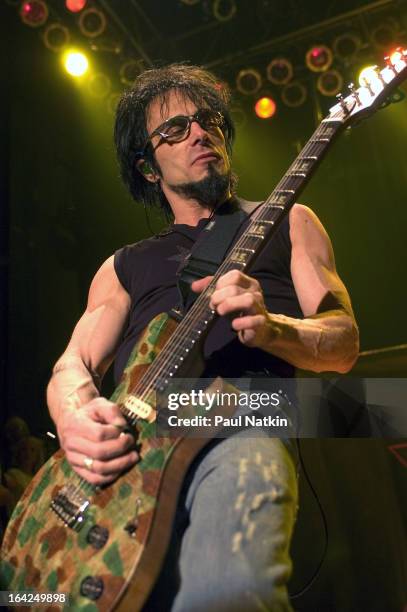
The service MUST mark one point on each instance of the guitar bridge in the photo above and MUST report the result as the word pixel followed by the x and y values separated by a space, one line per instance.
pixel 70 505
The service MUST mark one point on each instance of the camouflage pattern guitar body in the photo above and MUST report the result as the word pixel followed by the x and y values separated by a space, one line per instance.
pixel 66 536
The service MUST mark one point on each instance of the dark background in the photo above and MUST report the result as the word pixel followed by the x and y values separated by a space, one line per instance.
pixel 64 211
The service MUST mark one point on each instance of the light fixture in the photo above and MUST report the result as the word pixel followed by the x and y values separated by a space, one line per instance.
pixel 92 22
pixel 130 70
pixel 56 36
pixel 76 63
pixel 384 35
pixel 294 94
pixel 330 83
pixel 34 13
pixel 238 115
pixel 319 58
pixel 248 81
pixel 265 107
pixel 346 46
pixel 99 85
pixel 279 71
pixel 75 6
pixel 224 10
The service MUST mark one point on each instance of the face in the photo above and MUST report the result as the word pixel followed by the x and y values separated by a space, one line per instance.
pixel 199 159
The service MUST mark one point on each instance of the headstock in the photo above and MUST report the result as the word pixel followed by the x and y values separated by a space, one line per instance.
pixel 375 90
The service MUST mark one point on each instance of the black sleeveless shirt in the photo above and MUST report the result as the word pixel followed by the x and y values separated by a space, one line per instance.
pixel 147 271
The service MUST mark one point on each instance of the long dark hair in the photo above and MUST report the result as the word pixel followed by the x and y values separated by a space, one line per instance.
pixel 201 87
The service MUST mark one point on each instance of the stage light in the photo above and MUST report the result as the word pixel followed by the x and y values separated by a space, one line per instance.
pixel 330 83
pixel 265 107
pixel 99 85
pixel 319 58
pixel 279 71
pixel 367 75
pixel 56 36
pixel 92 22
pixel 130 70
pixel 248 81
pixel 294 94
pixel 346 46
pixel 385 35
pixel 34 13
pixel 76 63
pixel 399 55
pixel 224 10
pixel 75 6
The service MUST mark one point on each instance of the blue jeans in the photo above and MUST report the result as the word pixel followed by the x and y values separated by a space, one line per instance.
pixel 230 544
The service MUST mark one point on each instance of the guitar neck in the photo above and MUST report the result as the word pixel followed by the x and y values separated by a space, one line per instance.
pixel 262 225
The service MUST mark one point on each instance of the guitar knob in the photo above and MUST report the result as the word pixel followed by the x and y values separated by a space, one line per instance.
pixel 97 536
pixel 92 587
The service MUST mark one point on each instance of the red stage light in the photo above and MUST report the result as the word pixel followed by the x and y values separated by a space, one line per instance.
pixel 34 13
pixel 319 58
pixel 75 5
pixel 265 107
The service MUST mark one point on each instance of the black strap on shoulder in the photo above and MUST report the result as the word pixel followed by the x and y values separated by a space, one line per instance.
pixel 211 247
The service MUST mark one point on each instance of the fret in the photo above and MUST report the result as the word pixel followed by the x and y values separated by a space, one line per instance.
pixel 320 140
pixel 278 206
pixel 308 157
pixel 259 233
pixel 241 254
pixel 266 220
pixel 284 190
pixel 297 174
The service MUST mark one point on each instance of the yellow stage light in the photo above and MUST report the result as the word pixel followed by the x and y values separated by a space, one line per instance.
pixel 265 107
pixel 367 75
pixel 76 63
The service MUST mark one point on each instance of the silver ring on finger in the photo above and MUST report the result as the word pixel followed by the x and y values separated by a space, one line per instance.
pixel 88 463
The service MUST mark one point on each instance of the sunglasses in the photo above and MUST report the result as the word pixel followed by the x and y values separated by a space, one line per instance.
pixel 178 128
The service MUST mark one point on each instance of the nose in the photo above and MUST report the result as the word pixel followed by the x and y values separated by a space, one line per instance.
pixel 197 133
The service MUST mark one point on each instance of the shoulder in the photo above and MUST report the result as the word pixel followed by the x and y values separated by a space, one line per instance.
pixel 308 233
pixel 106 285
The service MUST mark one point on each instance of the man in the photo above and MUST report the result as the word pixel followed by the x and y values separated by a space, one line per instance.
pixel 174 137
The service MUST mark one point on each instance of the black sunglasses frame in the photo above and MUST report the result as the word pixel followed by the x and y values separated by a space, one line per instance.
pixel 160 131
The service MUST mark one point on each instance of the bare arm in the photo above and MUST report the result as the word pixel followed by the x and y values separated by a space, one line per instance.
pixel 89 425
pixel 327 338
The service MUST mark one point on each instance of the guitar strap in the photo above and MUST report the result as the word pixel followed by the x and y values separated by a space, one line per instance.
pixel 211 247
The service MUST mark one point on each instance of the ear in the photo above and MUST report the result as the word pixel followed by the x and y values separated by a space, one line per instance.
pixel 144 167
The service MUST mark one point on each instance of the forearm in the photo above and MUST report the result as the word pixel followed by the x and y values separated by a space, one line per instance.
pixel 325 342
pixel 71 385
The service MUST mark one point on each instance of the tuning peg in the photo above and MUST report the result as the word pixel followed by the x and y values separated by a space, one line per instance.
pixel 390 64
pixel 380 76
pixel 342 102
pixel 354 93
pixel 368 84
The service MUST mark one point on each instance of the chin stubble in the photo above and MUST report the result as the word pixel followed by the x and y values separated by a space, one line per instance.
pixel 209 191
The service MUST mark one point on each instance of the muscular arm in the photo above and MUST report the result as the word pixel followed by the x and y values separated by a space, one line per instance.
pixel 327 338
pixel 87 424
pixel 77 373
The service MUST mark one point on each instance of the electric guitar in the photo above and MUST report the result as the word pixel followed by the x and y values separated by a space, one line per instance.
pixel 105 546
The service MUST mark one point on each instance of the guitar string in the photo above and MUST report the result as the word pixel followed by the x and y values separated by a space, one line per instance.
pixel 201 306
pixel 243 243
